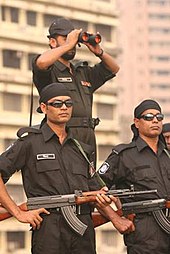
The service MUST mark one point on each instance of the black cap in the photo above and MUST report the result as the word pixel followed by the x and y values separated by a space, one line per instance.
pixel 60 26
pixel 144 105
pixel 166 127
pixel 51 91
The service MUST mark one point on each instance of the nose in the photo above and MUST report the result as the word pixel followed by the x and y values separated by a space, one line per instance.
pixel 155 119
pixel 64 106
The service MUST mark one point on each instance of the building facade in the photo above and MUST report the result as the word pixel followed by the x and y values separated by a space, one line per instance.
pixel 24 28
pixel 144 39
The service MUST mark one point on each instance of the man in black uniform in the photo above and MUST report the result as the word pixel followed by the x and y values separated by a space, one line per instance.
pixel 166 133
pixel 52 164
pixel 81 80
pixel 145 164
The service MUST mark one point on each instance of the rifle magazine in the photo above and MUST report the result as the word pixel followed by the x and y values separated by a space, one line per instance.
pixel 162 221
pixel 72 220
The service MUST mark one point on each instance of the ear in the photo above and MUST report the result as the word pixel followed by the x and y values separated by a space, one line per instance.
pixel 43 107
pixel 136 122
pixel 53 43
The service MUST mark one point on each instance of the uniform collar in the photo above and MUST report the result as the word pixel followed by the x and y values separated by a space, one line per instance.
pixel 141 144
pixel 48 133
pixel 62 67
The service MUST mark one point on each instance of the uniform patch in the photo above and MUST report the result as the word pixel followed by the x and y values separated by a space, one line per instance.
pixel 46 156
pixel 104 167
pixel 85 83
pixel 65 79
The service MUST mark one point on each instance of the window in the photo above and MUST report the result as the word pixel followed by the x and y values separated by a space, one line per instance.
pixel 31 18
pixel 15 241
pixel 80 24
pixel 105 31
pixel 156 2
pixel 161 58
pixel 104 151
pixel 160 72
pixel 105 111
pixel 14 12
pixel 161 85
pixel 48 19
pixel 11 102
pixel 11 58
pixel 3 8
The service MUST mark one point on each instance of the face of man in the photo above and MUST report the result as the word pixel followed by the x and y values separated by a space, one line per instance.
pixel 58 109
pixel 60 40
pixel 167 139
pixel 147 127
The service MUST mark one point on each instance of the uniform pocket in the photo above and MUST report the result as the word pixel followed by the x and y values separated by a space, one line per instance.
pixel 143 172
pixel 47 166
pixel 80 170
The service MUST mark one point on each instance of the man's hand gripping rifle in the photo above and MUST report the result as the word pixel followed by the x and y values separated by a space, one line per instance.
pixel 66 204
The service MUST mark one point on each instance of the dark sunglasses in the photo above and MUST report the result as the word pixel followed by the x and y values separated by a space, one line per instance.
pixel 150 117
pixel 59 104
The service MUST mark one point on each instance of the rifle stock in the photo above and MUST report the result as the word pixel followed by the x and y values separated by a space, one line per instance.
pixel 6 215
pixel 99 220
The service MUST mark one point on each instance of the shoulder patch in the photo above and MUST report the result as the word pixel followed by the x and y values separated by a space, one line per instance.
pixel 104 167
pixel 26 130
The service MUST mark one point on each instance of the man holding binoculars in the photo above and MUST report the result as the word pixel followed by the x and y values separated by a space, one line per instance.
pixel 81 80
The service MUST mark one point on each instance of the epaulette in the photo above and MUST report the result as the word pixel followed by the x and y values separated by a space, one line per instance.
pixel 24 131
pixel 119 148
pixel 81 64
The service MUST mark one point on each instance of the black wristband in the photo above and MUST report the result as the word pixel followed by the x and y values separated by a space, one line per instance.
pixel 101 53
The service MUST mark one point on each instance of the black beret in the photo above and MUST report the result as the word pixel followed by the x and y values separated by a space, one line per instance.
pixel 144 105
pixel 166 127
pixel 51 91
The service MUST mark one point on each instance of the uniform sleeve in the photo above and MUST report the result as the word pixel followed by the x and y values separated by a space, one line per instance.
pixel 12 160
pixel 109 170
pixel 41 78
pixel 98 75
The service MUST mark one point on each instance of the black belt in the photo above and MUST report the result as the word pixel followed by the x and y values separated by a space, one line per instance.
pixel 84 122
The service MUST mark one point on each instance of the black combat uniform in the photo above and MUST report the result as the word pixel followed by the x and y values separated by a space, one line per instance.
pixel 82 84
pixel 49 168
pixel 137 164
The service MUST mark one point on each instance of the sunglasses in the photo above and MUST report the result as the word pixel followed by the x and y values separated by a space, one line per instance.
pixel 59 104
pixel 150 117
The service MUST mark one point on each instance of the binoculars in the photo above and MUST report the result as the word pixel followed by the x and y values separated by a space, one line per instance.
pixel 92 39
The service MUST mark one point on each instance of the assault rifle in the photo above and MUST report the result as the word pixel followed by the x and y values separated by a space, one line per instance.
pixel 129 210
pixel 66 204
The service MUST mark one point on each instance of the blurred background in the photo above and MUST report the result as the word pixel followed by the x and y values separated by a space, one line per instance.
pixel 135 32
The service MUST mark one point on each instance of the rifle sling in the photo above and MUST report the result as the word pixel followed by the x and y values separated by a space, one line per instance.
pixel 100 181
